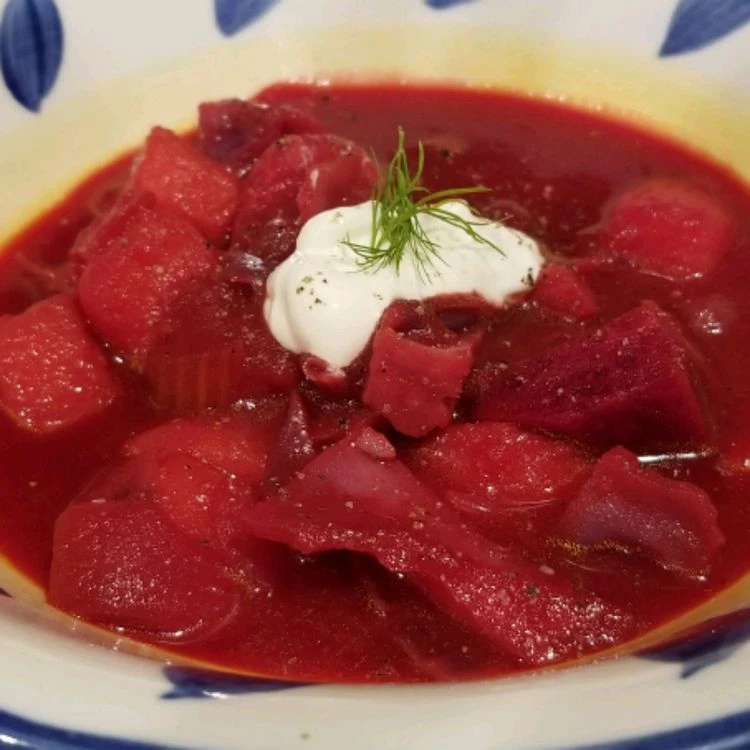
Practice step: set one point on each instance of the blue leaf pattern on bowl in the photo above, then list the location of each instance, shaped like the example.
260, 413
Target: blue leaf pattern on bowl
31, 49
710, 643
697, 23
234, 15
191, 682
441, 4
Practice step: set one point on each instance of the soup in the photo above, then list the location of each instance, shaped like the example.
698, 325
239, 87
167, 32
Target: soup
381, 383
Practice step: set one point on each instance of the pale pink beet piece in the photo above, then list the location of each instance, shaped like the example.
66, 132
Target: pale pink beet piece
128, 288
629, 383
669, 228
53, 374
562, 291
417, 369
123, 563
185, 182
672, 521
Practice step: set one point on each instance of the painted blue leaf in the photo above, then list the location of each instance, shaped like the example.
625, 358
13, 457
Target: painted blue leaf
698, 23
234, 15
441, 4
31, 48
190, 682
710, 643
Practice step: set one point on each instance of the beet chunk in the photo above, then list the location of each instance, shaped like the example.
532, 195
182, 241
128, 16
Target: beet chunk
629, 383
236, 132
417, 369
539, 619
562, 291
232, 444
185, 182
487, 470
295, 178
52, 373
148, 263
123, 563
668, 228
672, 521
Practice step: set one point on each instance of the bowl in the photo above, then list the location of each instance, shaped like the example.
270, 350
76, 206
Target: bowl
85, 81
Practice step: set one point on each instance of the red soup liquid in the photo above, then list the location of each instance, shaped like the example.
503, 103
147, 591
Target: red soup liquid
168, 471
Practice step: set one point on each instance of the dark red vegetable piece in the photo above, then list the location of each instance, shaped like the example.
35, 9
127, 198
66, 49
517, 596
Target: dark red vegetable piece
53, 374
672, 521
417, 369
669, 228
295, 177
294, 447
127, 289
629, 383
562, 291
124, 564
236, 132
185, 182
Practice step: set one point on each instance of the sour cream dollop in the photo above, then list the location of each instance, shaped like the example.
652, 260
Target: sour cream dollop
319, 300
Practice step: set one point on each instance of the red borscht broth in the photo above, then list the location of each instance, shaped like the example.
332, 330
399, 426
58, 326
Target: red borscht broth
486, 487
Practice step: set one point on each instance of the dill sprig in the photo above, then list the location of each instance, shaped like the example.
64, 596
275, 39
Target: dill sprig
397, 203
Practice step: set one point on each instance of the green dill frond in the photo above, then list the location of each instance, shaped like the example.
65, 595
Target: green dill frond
397, 203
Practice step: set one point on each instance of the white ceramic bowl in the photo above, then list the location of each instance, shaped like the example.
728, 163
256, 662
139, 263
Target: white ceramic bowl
85, 79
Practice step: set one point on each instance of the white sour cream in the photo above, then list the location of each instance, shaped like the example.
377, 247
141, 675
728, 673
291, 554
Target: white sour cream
319, 301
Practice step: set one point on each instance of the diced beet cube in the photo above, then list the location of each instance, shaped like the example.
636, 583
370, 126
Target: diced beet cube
236, 132
669, 228
486, 469
356, 495
234, 445
417, 369
185, 182
296, 177
126, 290
539, 619
215, 348
622, 504
562, 291
52, 372
124, 564
629, 383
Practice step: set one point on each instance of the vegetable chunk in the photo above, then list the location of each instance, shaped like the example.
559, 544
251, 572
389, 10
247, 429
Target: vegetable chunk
672, 521
127, 289
53, 375
668, 228
124, 563
186, 183
562, 291
417, 369
629, 383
